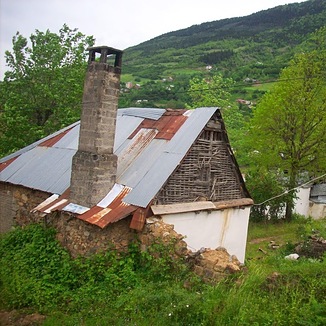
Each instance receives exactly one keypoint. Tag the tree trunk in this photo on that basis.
(290, 196)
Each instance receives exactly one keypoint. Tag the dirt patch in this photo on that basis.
(16, 318)
(313, 247)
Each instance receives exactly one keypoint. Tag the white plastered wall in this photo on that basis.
(226, 228)
(301, 203)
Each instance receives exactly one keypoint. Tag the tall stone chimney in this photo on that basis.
(94, 165)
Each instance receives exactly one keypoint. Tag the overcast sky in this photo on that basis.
(117, 23)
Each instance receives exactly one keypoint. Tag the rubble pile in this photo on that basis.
(212, 265)
(313, 247)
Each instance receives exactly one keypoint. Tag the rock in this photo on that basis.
(215, 264)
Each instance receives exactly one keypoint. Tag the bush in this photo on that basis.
(155, 287)
(264, 188)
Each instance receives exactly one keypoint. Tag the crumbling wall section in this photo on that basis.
(212, 265)
(16, 205)
(83, 239)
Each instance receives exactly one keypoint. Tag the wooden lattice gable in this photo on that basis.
(208, 171)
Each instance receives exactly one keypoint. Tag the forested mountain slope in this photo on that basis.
(255, 46)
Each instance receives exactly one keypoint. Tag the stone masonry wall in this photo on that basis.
(83, 239)
(16, 203)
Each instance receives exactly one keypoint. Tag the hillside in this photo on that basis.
(254, 47)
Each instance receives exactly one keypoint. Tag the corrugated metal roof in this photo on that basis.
(31, 146)
(318, 190)
(149, 143)
(176, 149)
(43, 168)
(125, 126)
(146, 113)
(142, 164)
(34, 167)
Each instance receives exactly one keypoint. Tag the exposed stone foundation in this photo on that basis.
(83, 239)
(16, 203)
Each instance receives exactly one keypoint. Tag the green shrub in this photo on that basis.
(154, 287)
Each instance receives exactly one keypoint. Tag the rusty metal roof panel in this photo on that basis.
(36, 169)
(167, 162)
(111, 209)
(113, 212)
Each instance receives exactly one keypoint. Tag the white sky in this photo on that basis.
(117, 23)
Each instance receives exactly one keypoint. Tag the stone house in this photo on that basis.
(102, 180)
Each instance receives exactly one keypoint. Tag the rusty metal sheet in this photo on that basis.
(4, 164)
(88, 215)
(115, 211)
(135, 148)
(167, 125)
(115, 215)
(94, 219)
(50, 142)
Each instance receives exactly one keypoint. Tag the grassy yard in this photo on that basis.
(38, 276)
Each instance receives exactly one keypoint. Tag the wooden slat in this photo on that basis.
(182, 207)
(234, 203)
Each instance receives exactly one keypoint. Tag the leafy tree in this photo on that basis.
(288, 127)
(42, 91)
(212, 91)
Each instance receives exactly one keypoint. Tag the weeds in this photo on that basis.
(147, 288)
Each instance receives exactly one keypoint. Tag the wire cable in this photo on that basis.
(290, 190)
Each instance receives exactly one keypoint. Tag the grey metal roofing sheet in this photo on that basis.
(318, 190)
(49, 168)
(146, 113)
(125, 126)
(158, 173)
(36, 169)
(142, 164)
(70, 139)
(31, 146)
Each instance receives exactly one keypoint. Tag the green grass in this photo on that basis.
(136, 289)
